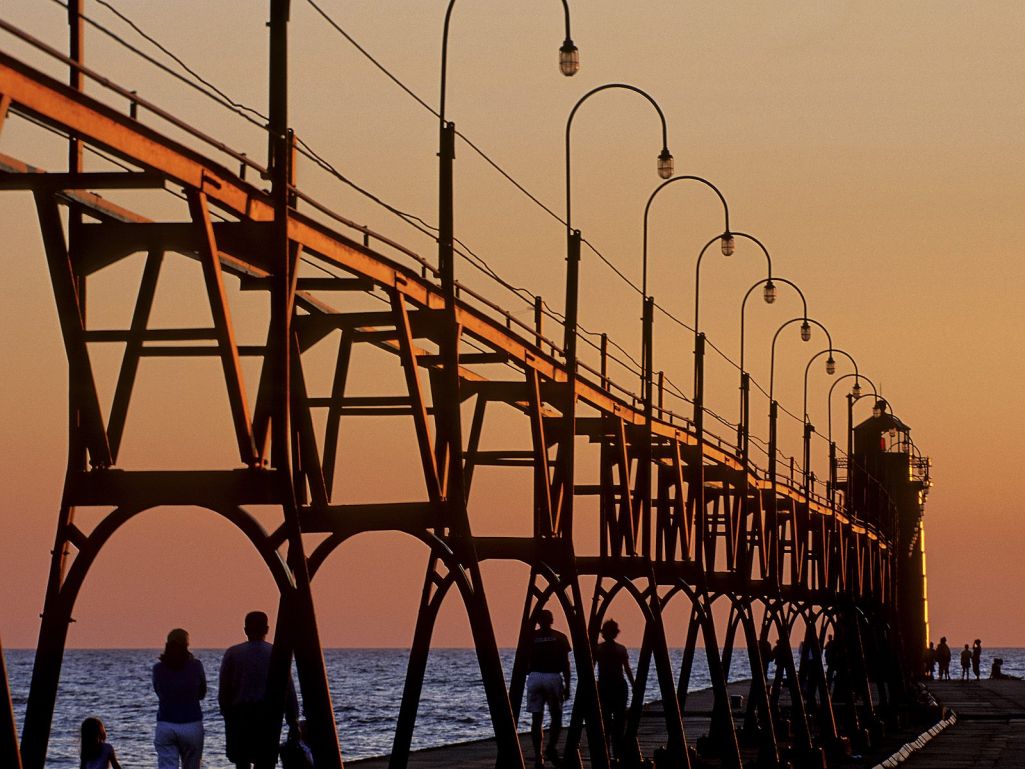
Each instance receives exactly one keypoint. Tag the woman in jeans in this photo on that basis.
(180, 684)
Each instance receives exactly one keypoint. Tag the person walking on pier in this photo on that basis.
(943, 659)
(249, 728)
(548, 683)
(180, 684)
(930, 661)
(613, 664)
(977, 657)
(966, 662)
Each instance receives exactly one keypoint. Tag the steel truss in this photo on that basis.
(681, 516)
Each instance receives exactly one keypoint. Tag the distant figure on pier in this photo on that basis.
(780, 654)
(765, 650)
(930, 661)
(180, 683)
(829, 654)
(943, 659)
(966, 662)
(548, 682)
(976, 657)
(613, 664)
(249, 729)
(96, 752)
(998, 672)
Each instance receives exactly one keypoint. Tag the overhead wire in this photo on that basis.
(253, 116)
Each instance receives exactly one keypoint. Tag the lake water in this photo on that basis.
(366, 687)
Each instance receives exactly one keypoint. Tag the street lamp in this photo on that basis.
(855, 394)
(648, 309)
(449, 419)
(808, 427)
(727, 245)
(569, 64)
(773, 419)
(727, 241)
(573, 240)
(743, 426)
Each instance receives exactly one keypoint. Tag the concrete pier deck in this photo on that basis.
(989, 733)
(480, 754)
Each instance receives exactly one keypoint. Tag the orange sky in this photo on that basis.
(874, 147)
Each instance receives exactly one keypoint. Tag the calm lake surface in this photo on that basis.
(366, 686)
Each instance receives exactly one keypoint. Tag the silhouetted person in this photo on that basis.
(180, 684)
(829, 653)
(96, 752)
(998, 671)
(976, 657)
(943, 659)
(249, 729)
(930, 660)
(966, 662)
(613, 673)
(780, 653)
(547, 684)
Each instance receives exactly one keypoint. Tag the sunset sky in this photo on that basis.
(874, 147)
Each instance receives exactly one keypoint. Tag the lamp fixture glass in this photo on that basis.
(569, 59)
(805, 331)
(856, 390)
(769, 293)
(728, 244)
(665, 163)
(830, 365)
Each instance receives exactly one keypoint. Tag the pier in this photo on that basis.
(685, 512)
(990, 728)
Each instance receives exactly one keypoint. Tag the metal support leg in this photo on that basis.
(434, 590)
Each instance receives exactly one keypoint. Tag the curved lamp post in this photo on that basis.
(565, 459)
(809, 428)
(495, 687)
(769, 294)
(573, 239)
(648, 309)
(569, 64)
(773, 418)
(648, 321)
(744, 423)
(855, 392)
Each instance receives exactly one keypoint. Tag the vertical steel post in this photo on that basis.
(567, 449)
(699, 386)
(772, 533)
(644, 468)
(806, 461)
(745, 412)
(53, 629)
(832, 475)
(296, 629)
(449, 430)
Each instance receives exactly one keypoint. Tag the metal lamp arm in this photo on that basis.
(444, 52)
(743, 308)
(569, 126)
